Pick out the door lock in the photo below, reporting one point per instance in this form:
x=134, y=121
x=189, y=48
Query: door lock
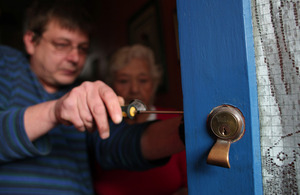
x=228, y=124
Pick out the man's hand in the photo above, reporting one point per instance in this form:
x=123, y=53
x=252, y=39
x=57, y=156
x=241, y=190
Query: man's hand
x=87, y=107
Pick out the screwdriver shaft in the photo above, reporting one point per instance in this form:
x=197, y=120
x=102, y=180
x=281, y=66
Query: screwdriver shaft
x=158, y=112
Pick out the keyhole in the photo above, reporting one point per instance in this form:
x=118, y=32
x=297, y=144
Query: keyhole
x=223, y=130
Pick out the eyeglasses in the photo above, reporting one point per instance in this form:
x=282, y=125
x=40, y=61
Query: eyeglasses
x=65, y=46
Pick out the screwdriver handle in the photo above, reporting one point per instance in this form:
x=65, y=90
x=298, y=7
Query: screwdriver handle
x=132, y=108
x=129, y=111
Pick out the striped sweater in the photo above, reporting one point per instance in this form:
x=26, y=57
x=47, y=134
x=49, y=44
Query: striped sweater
x=58, y=162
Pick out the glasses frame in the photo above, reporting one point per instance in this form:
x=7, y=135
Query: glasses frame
x=66, y=47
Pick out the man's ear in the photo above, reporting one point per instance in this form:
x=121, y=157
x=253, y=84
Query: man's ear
x=29, y=42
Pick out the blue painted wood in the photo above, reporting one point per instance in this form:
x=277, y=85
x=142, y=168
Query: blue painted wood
x=218, y=67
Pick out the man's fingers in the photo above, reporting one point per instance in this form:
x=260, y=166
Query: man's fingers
x=111, y=102
x=85, y=113
x=100, y=116
x=98, y=109
x=87, y=107
x=121, y=101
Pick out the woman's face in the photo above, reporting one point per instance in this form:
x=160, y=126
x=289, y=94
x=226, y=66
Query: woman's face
x=134, y=81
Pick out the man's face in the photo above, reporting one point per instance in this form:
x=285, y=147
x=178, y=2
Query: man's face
x=59, y=56
x=134, y=82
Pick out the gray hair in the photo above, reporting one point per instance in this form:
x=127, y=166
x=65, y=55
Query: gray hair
x=123, y=56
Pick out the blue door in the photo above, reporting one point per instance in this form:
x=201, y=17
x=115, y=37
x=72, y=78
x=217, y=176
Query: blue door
x=218, y=67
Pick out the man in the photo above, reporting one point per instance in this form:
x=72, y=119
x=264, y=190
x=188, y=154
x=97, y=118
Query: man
x=48, y=124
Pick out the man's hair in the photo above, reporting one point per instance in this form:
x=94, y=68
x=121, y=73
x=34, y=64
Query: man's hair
x=70, y=14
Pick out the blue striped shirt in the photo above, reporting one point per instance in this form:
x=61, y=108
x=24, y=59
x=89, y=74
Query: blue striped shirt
x=58, y=162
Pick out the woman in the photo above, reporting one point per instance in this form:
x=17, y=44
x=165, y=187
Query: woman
x=133, y=74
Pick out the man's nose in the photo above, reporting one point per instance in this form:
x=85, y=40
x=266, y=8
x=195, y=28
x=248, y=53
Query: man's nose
x=74, y=55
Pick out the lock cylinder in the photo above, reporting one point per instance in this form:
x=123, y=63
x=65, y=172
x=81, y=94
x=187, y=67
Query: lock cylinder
x=226, y=122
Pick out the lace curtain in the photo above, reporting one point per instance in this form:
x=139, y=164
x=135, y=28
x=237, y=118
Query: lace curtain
x=276, y=28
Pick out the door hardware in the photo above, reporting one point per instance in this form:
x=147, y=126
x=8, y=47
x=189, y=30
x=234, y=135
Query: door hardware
x=228, y=124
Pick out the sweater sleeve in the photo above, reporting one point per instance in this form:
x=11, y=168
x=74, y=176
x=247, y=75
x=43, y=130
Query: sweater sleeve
x=14, y=143
x=122, y=150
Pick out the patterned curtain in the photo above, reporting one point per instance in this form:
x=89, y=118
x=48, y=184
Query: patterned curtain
x=276, y=27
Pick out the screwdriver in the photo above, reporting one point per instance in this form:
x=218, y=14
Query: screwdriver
x=138, y=107
x=159, y=112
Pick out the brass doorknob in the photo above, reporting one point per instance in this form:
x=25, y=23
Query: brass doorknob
x=228, y=124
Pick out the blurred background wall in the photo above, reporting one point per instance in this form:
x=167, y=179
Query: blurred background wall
x=114, y=20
